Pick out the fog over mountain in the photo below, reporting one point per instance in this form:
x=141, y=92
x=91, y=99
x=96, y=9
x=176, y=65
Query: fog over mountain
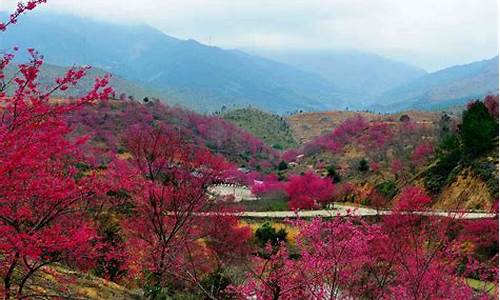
x=207, y=78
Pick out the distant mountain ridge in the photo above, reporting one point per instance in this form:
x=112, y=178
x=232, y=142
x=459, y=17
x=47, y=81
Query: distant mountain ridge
x=199, y=76
x=357, y=76
x=49, y=73
x=148, y=62
x=451, y=86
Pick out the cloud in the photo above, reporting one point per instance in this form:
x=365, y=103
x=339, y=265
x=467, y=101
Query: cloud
x=428, y=33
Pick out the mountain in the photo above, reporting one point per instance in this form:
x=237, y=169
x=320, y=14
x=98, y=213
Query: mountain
x=448, y=87
x=199, y=76
x=357, y=76
x=49, y=73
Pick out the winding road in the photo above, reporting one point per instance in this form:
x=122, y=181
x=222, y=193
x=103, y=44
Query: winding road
x=343, y=210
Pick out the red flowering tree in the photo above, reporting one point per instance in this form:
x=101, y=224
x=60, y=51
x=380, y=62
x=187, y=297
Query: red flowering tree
x=167, y=179
x=270, y=187
x=43, y=194
x=491, y=103
x=421, y=153
x=309, y=191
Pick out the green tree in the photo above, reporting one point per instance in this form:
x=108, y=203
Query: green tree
x=266, y=233
x=388, y=189
x=363, y=165
x=333, y=174
x=282, y=166
x=479, y=130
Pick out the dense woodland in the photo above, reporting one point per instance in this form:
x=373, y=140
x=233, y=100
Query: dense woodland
x=117, y=188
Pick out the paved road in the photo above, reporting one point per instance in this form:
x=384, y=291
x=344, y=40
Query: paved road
x=340, y=211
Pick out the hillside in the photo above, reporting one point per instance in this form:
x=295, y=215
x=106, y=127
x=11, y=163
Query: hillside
x=359, y=77
x=272, y=129
x=66, y=283
x=197, y=75
x=307, y=126
x=49, y=73
x=448, y=87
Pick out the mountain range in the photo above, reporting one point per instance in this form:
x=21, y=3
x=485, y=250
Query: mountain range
x=451, y=86
x=146, y=61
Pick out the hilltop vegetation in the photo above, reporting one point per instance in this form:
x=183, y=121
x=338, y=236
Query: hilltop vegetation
x=309, y=125
x=272, y=129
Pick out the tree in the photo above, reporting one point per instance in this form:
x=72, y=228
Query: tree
x=267, y=234
x=282, y=166
x=167, y=179
x=333, y=174
x=308, y=191
x=404, y=118
x=491, y=103
x=363, y=165
x=479, y=129
x=43, y=195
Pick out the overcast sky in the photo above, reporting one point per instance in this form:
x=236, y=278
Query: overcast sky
x=428, y=33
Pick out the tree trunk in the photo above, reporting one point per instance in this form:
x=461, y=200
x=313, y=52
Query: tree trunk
x=8, y=276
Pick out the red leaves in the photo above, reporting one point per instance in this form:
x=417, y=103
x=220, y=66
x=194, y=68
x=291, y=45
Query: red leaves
x=412, y=199
x=43, y=194
x=421, y=153
x=309, y=191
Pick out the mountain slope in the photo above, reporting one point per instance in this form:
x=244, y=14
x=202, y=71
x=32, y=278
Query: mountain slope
x=272, y=129
x=359, y=77
x=49, y=73
x=451, y=86
x=202, y=77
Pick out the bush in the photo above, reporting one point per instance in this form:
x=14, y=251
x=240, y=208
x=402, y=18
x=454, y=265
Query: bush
x=267, y=234
x=479, y=129
x=448, y=154
x=217, y=282
x=363, y=165
x=282, y=166
x=388, y=189
x=332, y=173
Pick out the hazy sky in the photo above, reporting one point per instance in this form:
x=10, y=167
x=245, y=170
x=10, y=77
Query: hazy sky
x=428, y=33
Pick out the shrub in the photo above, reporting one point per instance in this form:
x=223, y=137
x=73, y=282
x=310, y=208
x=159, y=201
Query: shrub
x=387, y=189
x=363, y=165
x=332, y=173
x=216, y=282
x=282, y=166
x=478, y=130
x=308, y=190
x=449, y=155
x=267, y=234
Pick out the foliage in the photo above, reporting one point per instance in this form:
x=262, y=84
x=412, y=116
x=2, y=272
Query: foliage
x=308, y=191
x=363, y=165
x=478, y=130
x=387, y=189
x=272, y=129
x=406, y=256
x=282, y=166
x=448, y=154
x=42, y=207
x=333, y=174
x=268, y=234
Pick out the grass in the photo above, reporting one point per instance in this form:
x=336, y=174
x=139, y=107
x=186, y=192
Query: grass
x=60, y=281
x=272, y=129
x=482, y=286
x=292, y=231
x=265, y=205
